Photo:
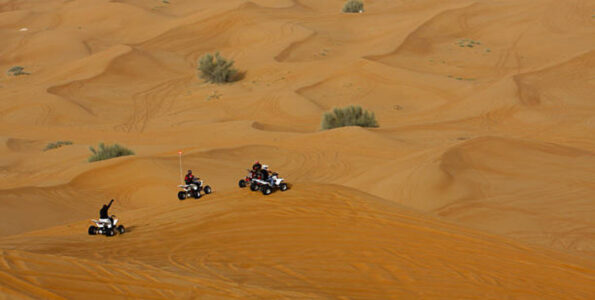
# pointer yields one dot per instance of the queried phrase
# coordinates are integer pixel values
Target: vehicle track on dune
(153, 102)
(10, 5)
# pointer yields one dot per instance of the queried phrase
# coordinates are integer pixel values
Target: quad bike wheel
(254, 187)
(121, 229)
(208, 189)
(266, 190)
(242, 183)
(283, 187)
(110, 232)
(92, 230)
(181, 195)
(196, 194)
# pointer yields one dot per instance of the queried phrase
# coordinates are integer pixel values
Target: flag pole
(181, 176)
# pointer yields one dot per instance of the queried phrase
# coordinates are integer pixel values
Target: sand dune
(293, 246)
(477, 184)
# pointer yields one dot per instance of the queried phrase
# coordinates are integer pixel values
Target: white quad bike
(193, 190)
(105, 227)
(266, 187)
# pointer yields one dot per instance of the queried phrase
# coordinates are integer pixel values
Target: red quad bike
(250, 180)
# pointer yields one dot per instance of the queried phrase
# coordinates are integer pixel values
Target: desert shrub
(216, 69)
(353, 6)
(104, 152)
(17, 70)
(348, 116)
(56, 145)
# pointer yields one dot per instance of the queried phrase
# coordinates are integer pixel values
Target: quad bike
(193, 190)
(107, 227)
(249, 181)
(266, 187)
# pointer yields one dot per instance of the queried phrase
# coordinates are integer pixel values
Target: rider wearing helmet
(256, 168)
(266, 175)
(190, 179)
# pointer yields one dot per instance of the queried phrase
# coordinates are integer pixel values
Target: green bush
(353, 6)
(216, 69)
(110, 151)
(16, 71)
(56, 145)
(348, 116)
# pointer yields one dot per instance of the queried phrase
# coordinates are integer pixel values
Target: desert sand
(479, 182)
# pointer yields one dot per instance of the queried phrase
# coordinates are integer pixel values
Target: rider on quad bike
(192, 187)
(263, 179)
(103, 213)
(256, 168)
(106, 225)
(254, 173)
(265, 174)
(191, 180)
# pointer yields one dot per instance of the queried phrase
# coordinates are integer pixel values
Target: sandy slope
(480, 180)
(343, 243)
